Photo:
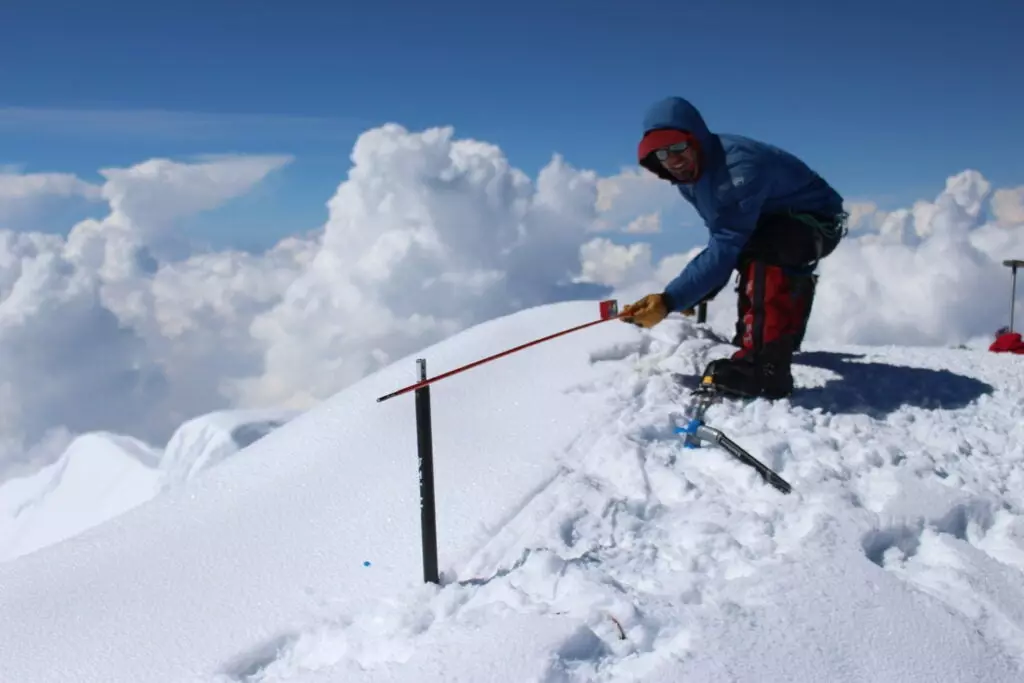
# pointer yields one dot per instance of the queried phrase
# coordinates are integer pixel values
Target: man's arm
(707, 272)
(711, 268)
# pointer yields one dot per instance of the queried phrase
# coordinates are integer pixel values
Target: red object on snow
(1008, 342)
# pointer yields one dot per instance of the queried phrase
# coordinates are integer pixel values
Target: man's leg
(774, 300)
(774, 311)
(806, 287)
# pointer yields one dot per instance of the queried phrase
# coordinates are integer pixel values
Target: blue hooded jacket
(740, 179)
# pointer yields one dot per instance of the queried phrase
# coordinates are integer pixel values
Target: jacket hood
(678, 114)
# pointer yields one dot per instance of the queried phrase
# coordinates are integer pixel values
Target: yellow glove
(647, 312)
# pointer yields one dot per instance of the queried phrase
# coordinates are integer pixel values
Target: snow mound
(208, 440)
(98, 477)
(101, 475)
(578, 539)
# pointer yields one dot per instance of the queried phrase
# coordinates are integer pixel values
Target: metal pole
(702, 312)
(1013, 264)
(1013, 294)
(424, 444)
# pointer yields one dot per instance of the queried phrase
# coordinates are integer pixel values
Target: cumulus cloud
(1008, 206)
(429, 234)
(927, 277)
(864, 216)
(90, 331)
(25, 197)
(646, 224)
(151, 195)
(634, 201)
(19, 187)
(68, 362)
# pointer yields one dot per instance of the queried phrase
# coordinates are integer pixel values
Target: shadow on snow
(877, 389)
(880, 388)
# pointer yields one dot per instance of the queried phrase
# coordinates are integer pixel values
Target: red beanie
(662, 137)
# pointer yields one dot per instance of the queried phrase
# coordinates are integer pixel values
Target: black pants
(793, 241)
(777, 283)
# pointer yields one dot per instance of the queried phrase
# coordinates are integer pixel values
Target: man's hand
(647, 312)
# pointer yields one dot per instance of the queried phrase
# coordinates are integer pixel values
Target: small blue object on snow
(366, 563)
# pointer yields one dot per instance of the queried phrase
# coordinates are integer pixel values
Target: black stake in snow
(1013, 264)
(425, 448)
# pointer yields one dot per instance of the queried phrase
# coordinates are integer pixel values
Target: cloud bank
(428, 234)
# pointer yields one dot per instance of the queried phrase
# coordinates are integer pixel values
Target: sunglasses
(678, 148)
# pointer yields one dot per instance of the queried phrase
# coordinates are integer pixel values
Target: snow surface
(101, 475)
(579, 541)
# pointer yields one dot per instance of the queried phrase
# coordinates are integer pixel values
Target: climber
(769, 217)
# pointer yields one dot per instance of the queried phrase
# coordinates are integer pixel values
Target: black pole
(702, 312)
(1013, 293)
(424, 445)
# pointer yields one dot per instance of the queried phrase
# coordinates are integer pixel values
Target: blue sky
(886, 99)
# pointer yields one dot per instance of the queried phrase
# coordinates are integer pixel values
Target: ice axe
(609, 309)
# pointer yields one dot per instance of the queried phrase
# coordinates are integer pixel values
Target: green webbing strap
(832, 228)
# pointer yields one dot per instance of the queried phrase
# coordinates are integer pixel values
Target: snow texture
(579, 541)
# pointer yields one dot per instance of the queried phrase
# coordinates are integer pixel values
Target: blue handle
(690, 430)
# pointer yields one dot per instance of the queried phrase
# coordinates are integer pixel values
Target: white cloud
(96, 334)
(21, 187)
(68, 361)
(24, 197)
(929, 275)
(623, 199)
(864, 216)
(646, 224)
(605, 262)
(1008, 206)
(152, 195)
(429, 234)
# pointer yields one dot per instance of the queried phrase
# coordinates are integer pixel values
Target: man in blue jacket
(769, 217)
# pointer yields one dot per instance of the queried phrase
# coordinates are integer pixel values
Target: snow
(578, 539)
(102, 475)
(98, 477)
(209, 439)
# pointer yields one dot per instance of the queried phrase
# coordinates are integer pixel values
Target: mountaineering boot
(744, 378)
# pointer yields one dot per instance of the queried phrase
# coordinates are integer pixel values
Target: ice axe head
(609, 309)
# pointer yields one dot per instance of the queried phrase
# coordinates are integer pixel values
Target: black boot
(746, 377)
